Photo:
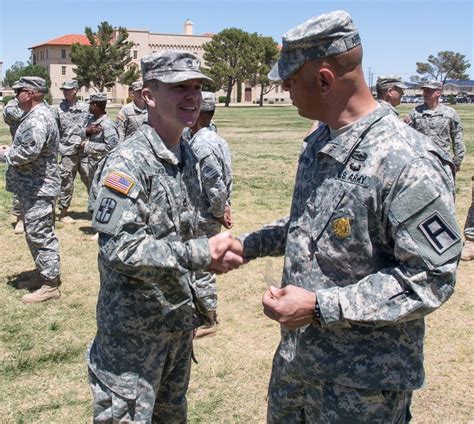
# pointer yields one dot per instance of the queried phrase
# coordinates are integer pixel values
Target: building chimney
(188, 27)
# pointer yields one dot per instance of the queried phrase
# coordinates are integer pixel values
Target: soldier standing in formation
(371, 244)
(12, 115)
(439, 122)
(132, 116)
(146, 212)
(71, 116)
(215, 163)
(468, 249)
(390, 91)
(33, 177)
(102, 135)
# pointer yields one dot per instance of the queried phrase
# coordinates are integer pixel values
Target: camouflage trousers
(38, 215)
(140, 378)
(69, 167)
(469, 225)
(16, 209)
(291, 399)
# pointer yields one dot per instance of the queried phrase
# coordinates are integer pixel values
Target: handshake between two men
(291, 306)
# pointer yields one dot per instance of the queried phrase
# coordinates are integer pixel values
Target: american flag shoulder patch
(119, 182)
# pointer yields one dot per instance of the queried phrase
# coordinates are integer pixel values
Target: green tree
(267, 55)
(19, 69)
(104, 61)
(231, 56)
(446, 65)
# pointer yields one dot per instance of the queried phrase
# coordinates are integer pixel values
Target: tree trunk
(261, 96)
(230, 83)
(239, 91)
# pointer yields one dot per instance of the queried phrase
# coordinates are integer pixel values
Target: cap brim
(401, 85)
(285, 67)
(175, 77)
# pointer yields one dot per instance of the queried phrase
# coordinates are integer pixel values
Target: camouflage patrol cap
(31, 83)
(388, 81)
(98, 97)
(172, 66)
(322, 36)
(137, 85)
(69, 84)
(208, 101)
(434, 85)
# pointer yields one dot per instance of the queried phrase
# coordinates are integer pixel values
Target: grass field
(43, 375)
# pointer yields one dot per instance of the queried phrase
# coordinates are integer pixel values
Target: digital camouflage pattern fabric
(372, 231)
(146, 211)
(32, 176)
(100, 144)
(129, 118)
(12, 115)
(443, 126)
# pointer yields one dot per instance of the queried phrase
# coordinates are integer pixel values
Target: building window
(63, 70)
(46, 53)
(63, 53)
(276, 89)
(135, 54)
(109, 89)
(87, 89)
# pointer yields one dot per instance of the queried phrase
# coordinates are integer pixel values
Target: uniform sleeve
(128, 244)
(120, 125)
(33, 138)
(12, 114)
(214, 185)
(421, 222)
(270, 240)
(110, 137)
(456, 132)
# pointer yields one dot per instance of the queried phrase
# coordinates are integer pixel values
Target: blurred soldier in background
(132, 116)
(12, 116)
(33, 176)
(72, 117)
(468, 249)
(216, 173)
(390, 91)
(439, 122)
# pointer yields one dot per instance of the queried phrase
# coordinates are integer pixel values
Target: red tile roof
(65, 40)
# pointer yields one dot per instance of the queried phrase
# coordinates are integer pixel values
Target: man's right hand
(226, 253)
(93, 129)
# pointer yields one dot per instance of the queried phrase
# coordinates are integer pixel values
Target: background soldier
(468, 249)
(146, 213)
(12, 115)
(216, 173)
(371, 244)
(390, 91)
(71, 116)
(33, 176)
(102, 135)
(439, 122)
(133, 114)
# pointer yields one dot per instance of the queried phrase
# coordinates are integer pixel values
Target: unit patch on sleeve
(438, 232)
(119, 182)
(105, 211)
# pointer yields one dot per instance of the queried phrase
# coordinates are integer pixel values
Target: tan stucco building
(54, 55)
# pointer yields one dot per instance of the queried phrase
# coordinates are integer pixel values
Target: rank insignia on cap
(342, 227)
(119, 182)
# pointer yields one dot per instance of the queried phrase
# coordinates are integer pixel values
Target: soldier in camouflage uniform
(216, 170)
(102, 135)
(33, 176)
(371, 244)
(468, 249)
(12, 115)
(439, 122)
(390, 91)
(133, 114)
(71, 116)
(146, 195)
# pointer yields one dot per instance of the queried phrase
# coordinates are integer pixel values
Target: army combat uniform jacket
(129, 118)
(72, 121)
(214, 158)
(443, 126)
(372, 231)
(12, 115)
(32, 159)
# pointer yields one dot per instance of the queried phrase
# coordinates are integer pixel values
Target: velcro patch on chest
(119, 182)
(440, 235)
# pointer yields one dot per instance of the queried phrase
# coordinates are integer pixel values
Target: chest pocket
(161, 221)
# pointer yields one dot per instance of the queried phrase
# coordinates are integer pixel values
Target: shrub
(6, 99)
(222, 99)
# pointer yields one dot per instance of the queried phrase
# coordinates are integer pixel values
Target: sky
(395, 33)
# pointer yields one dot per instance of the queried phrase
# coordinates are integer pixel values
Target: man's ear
(326, 78)
(149, 98)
